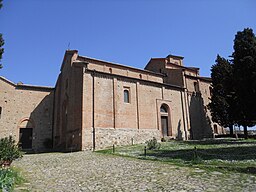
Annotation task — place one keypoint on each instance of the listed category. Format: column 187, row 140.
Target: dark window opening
column 196, row 86
column 215, row 129
column 0, row 112
column 66, row 83
column 126, row 96
column 163, row 109
column 210, row 89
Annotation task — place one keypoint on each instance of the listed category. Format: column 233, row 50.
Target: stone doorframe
column 26, row 123
column 167, row 105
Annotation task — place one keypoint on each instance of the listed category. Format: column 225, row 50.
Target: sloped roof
column 25, row 85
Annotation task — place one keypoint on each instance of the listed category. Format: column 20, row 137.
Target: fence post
column 113, row 148
column 145, row 151
column 132, row 141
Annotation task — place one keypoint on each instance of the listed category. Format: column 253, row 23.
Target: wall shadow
column 222, row 153
column 218, row 142
column 41, row 122
column 179, row 134
column 199, row 120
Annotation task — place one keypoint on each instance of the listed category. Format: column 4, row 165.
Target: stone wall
column 68, row 105
column 206, row 95
column 25, row 106
column 107, row 137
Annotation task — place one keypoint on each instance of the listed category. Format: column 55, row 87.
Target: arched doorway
column 164, row 111
column 26, row 127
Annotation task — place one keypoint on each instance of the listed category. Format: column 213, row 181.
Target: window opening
column 210, row 89
column 66, row 83
column 215, row 129
column 126, row 96
column 196, row 87
column 163, row 109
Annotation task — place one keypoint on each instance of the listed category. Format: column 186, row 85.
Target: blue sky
column 130, row 32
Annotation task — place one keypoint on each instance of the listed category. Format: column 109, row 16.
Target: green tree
column 222, row 105
column 1, row 40
column 244, row 60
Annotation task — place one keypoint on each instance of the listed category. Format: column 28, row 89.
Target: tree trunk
column 245, row 132
column 231, row 132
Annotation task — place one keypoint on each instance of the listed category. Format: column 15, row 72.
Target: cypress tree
column 222, row 105
column 244, row 60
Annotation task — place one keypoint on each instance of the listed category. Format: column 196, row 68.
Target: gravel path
column 88, row 171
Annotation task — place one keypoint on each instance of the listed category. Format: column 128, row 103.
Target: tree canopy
column 244, row 60
column 221, row 105
column 234, row 84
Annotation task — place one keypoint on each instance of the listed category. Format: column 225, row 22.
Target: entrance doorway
column 164, row 124
column 165, row 121
column 26, row 138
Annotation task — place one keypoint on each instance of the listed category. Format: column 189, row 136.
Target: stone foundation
column 106, row 137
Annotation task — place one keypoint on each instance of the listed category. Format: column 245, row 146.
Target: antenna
column 68, row 45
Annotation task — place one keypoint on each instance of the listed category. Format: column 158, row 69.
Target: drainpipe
column 93, row 115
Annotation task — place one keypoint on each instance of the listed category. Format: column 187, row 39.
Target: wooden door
column 164, row 124
column 26, row 138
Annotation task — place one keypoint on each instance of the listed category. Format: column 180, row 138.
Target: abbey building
column 96, row 104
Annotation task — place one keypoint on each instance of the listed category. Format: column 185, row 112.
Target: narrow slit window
column 0, row 112
column 126, row 96
column 210, row 89
column 66, row 83
column 196, row 86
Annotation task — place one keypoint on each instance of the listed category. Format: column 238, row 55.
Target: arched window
column 126, row 96
column 163, row 109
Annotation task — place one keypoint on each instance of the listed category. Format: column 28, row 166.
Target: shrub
column 8, row 178
column 9, row 151
column 152, row 144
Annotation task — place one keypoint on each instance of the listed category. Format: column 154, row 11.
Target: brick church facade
column 96, row 104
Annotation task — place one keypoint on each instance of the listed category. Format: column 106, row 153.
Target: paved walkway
column 87, row 171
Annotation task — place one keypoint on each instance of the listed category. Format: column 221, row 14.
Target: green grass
column 220, row 154
column 10, row 177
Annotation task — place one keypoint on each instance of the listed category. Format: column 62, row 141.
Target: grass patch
column 214, row 154
column 9, row 178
